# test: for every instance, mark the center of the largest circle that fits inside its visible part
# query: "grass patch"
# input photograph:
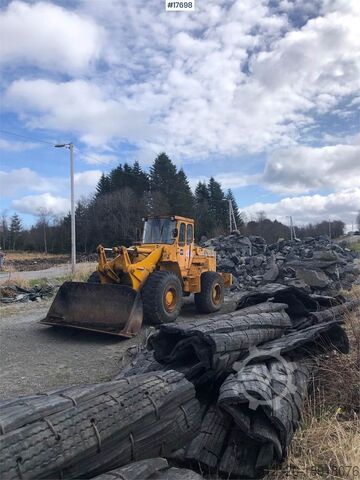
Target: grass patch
(23, 255)
(355, 247)
(82, 273)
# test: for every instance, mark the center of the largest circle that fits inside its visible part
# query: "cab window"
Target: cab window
(182, 233)
(190, 233)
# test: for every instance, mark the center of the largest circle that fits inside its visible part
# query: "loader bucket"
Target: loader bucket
(105, 308)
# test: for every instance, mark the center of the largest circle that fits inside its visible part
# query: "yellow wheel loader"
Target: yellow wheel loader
(146, 280)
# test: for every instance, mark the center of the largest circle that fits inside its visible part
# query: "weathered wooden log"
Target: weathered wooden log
(83, 431)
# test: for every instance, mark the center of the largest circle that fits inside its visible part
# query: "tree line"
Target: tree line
(113, 214)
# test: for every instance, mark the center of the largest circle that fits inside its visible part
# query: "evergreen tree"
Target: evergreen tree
(117, 178)
(238, 217)
(204, 222)
(184, 198)
(129, 176)
(140, 183)
(218, 206)
(163, 177)
(103, 186)
(15, 229)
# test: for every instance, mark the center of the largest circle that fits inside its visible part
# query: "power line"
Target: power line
(85, 155)
(25, 136)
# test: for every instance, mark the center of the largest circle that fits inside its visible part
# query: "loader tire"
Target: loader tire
(162, 297)
(211, 297)
(94, 278)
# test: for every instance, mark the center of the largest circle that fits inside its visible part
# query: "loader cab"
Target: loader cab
(159, 230)
(168, 231)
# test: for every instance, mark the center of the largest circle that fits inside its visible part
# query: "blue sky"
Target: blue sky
(262, 95)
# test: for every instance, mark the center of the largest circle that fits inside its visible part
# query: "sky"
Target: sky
(263, 95)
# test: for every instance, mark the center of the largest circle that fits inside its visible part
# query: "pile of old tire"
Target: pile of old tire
(79, 432)
(251, 369)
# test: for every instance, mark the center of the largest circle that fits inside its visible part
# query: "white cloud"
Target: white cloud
(312, 208)
(16, 146)
(48, 36)
(85, 182)
(23, 179)
(77, 106)
(94, 158)
(250, 81)
(45, 202)
(305, 169)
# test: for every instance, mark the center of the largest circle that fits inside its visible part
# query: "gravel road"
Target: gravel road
(36, 357)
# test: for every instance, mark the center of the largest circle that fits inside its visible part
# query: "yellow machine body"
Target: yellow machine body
(115, 304)
(132, 266)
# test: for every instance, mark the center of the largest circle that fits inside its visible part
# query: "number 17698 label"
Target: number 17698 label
(174, 6)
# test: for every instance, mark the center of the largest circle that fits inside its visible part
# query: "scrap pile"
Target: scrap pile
(313, 263)
(251, 370)
(14, 293)
(79, 432)
(222, 395)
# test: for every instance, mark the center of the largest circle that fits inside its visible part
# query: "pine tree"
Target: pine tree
(184, 197)
(140, 183)
(117, 178)
(218, 205)
(204, 222)
(15, 229)
(163, 177)
(238, 218)
(129, 176)
(103, 186)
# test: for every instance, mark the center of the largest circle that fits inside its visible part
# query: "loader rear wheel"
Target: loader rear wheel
(94, 278)
(211, 297)
(162, 297)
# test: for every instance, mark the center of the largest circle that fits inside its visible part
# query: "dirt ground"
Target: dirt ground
(24, 261)
(36, 357)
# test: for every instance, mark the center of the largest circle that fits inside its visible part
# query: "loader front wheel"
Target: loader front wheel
(211, 297)
(162, 297)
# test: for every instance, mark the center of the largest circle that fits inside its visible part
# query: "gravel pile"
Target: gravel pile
(316, 264)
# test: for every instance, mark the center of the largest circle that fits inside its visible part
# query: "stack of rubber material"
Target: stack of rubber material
(204, 350)
(250, 420)
(250, 368)
(81, 431)
(151, 469)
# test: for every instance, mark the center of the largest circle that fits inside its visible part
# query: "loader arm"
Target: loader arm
(138, 272)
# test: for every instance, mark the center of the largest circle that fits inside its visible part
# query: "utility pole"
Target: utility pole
(70, 146)
(290, 227)
(232, 219)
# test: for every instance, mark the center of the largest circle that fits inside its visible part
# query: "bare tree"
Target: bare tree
(4, 230)
(43, 222)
